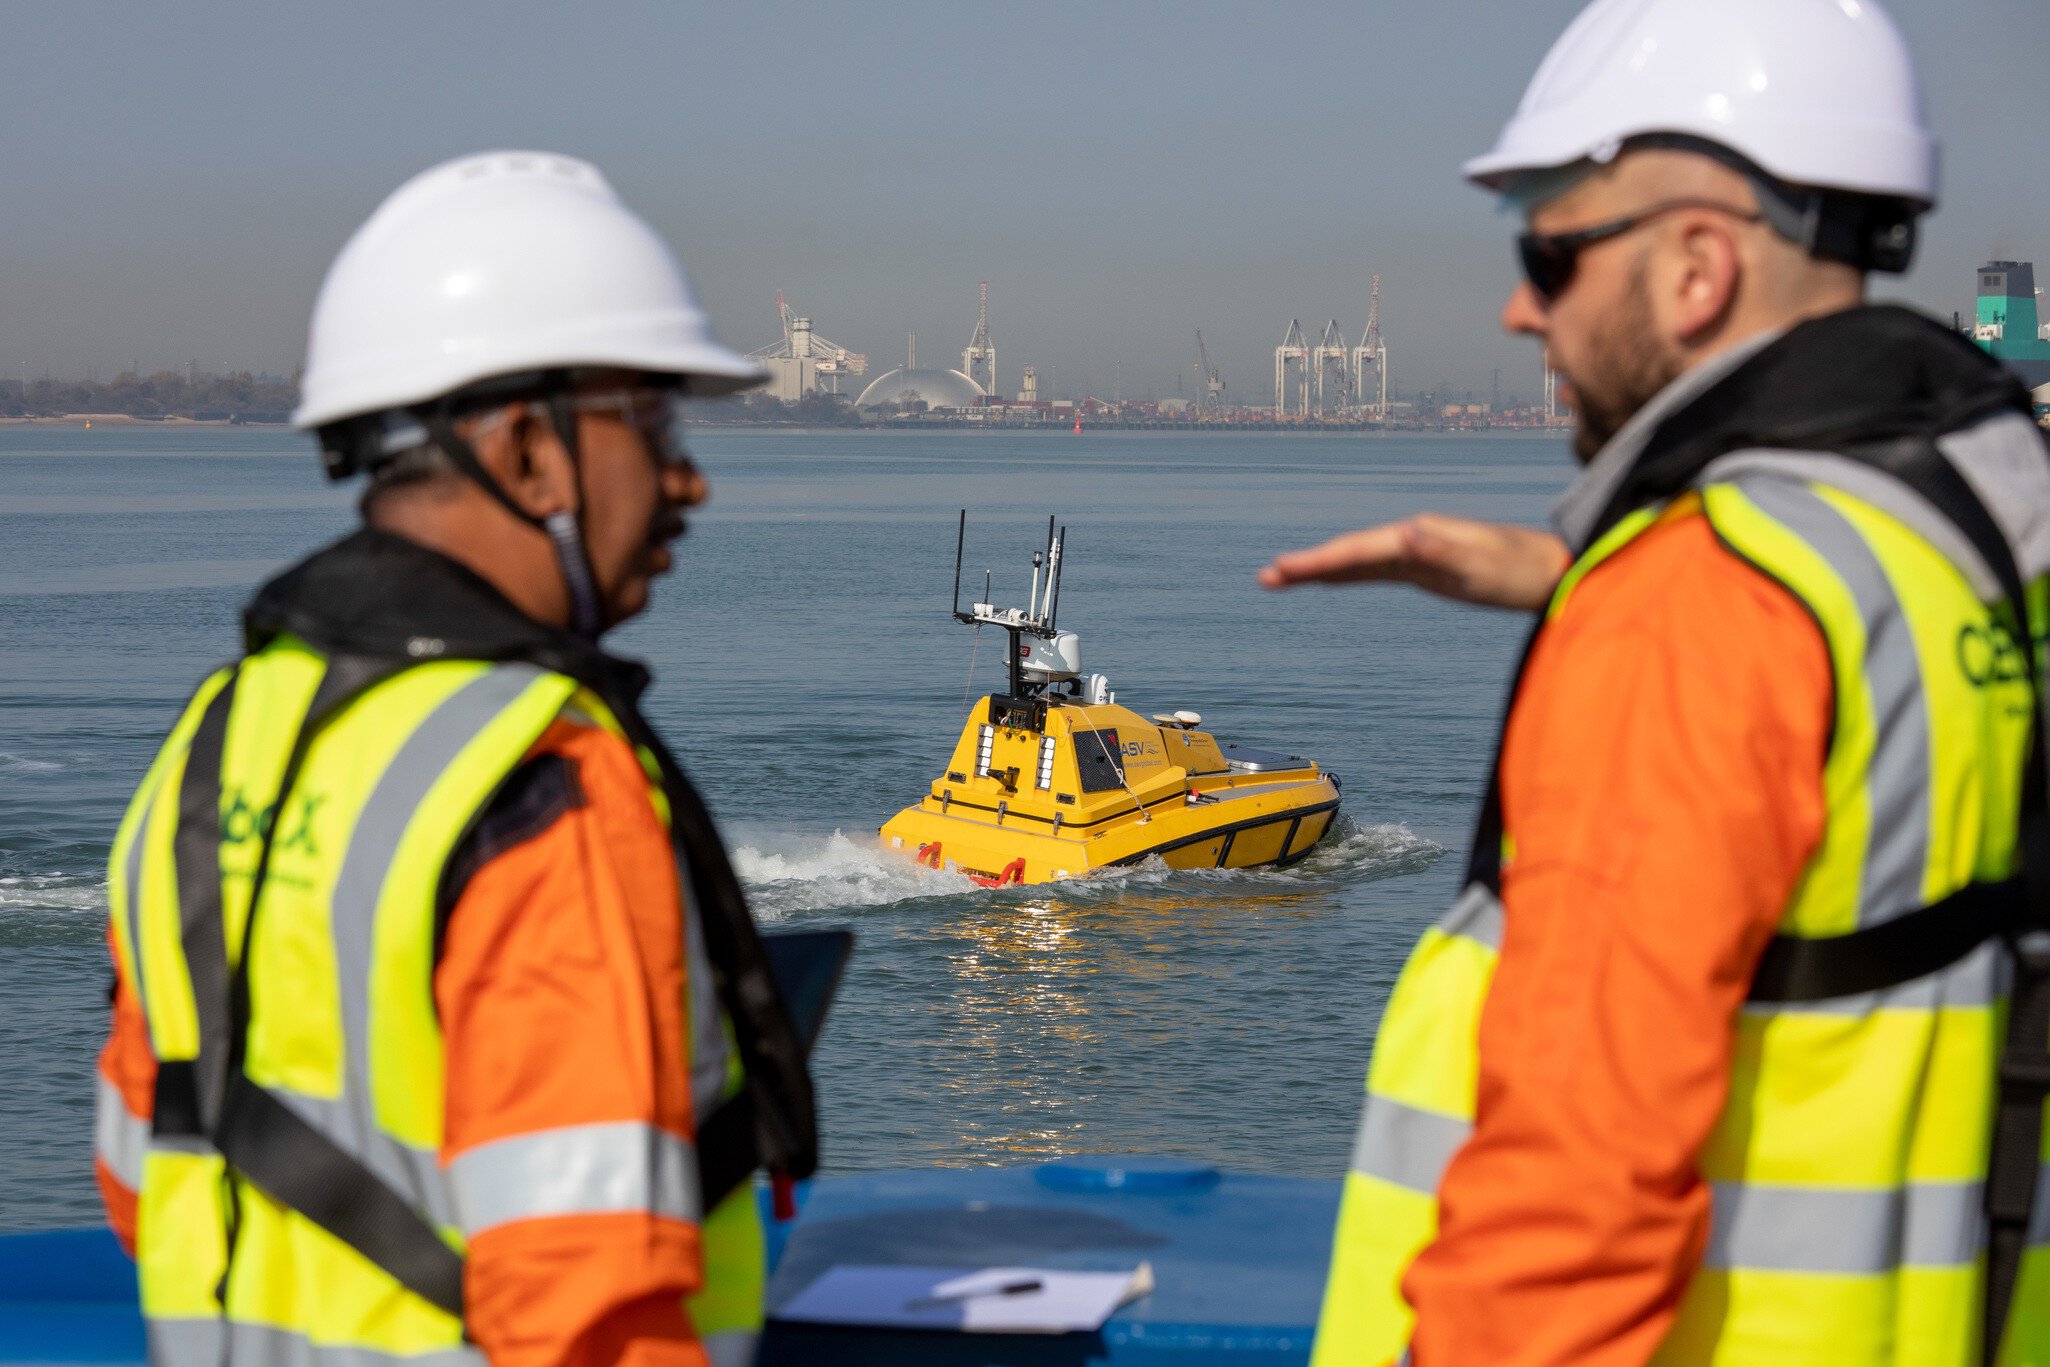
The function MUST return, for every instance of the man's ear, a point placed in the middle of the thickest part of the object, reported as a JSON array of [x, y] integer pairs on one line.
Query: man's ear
[[1711, 263], [520, 449]]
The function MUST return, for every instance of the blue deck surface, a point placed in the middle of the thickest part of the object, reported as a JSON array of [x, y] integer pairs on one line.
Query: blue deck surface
[[1238, 1263]]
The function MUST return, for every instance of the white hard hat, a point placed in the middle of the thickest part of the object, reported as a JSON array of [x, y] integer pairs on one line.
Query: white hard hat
[[499, 264], [1815, 92]]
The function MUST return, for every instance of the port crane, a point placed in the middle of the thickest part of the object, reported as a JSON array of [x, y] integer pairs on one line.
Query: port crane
[[979, 357], [1327, 358], [1213, 383], [1371, 355], [1292, 349]]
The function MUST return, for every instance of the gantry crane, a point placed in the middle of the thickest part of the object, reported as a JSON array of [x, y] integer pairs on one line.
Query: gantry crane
[[1372, 355], [1213, 383], [1292, 348], [979, 357], [1327, 357]]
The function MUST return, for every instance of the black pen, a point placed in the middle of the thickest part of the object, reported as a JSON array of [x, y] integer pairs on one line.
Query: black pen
[[954, 1298]]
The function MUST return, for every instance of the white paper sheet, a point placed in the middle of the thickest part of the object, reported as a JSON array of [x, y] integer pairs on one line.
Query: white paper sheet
[[963, 1299]]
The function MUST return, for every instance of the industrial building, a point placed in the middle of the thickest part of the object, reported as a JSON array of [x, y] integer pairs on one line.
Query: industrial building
[[2009, 323], [908, 385], [804, 362]]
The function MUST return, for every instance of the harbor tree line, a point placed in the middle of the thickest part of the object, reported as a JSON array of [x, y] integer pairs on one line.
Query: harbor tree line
[[242, 396]]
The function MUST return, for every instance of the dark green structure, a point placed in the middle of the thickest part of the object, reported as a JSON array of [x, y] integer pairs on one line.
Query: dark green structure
[[2007, 324]]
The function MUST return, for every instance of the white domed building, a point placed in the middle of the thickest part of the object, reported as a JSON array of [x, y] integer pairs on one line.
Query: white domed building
[[908, 385]]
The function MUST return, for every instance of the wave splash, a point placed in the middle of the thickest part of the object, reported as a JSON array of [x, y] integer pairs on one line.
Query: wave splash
[[60, 892], [801, 873]]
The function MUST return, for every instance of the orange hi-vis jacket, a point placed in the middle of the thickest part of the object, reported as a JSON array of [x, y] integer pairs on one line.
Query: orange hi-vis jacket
[[561, 996], [1663, 771], [547, 1125], [1712, 1060]]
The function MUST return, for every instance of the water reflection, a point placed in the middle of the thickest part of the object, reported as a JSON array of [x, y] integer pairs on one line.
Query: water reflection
[[1041, 1011]]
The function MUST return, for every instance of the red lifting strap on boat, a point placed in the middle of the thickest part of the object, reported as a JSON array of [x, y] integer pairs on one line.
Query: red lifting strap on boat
[[1014, 872], [929, 855]]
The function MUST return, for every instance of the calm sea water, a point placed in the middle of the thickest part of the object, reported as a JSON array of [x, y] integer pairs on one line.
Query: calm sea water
[[808, 674]]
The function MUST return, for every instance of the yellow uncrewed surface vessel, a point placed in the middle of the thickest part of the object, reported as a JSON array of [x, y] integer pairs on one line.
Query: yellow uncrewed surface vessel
[[1055, 779]]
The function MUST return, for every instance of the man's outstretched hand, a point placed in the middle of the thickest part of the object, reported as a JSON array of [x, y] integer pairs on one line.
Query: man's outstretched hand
[[1490, 563]]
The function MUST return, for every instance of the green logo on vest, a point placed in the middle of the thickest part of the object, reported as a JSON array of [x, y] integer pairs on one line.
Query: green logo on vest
[[241, 822], [1989, 655]]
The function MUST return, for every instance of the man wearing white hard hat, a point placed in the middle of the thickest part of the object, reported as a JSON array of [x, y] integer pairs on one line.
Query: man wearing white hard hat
[[441, 1031], [1733, 1048]]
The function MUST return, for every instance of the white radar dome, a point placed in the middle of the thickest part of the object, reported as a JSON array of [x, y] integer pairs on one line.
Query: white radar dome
[[1054, 661]]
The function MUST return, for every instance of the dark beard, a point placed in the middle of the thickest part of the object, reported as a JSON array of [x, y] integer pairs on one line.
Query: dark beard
[[1623, 372]]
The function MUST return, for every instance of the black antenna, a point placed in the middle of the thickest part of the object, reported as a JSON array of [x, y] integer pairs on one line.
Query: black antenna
[[960, 541], [1053, 613], [1049, 543]]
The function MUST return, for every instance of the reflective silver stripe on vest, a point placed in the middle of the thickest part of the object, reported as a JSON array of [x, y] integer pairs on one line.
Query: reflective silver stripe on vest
[[734, 1348], [134, 907], [120, 1136], [1897, 780], [397, 795], [1843, 1231], [2039, 1215], [708, 1046], [1477, 915], [199, 1343], [575, 1170], [1406, 1146]]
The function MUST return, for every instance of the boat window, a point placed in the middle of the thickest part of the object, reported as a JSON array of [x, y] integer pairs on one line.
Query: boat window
[[1100, 757]]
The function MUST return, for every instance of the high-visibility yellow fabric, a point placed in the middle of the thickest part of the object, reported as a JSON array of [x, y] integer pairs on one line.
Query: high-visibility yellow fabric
[[342, 1024], [1846, 1165]]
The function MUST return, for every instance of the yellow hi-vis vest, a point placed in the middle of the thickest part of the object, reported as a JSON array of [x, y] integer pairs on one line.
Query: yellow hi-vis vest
[[1847, 1166], [331, 1240]]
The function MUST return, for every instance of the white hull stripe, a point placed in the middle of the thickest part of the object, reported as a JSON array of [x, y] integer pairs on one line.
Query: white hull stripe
[[1843, 1231], [1406, 1146], [120, 1137], [576, 1170]]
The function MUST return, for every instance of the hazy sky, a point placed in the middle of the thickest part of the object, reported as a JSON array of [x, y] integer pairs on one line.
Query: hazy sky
[[177, 177]]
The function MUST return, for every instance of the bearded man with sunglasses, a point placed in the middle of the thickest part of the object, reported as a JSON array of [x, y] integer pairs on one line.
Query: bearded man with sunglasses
[[1733, 1049], [441, 1032]]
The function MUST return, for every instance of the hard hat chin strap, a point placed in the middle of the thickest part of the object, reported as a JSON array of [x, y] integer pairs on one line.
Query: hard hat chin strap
[[564, 529]]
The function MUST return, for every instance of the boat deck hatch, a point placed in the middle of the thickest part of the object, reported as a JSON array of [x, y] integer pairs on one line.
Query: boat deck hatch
[[1098, 754], [1253, 760]]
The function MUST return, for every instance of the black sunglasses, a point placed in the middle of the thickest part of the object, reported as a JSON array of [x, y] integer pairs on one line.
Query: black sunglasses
[[1549, 259]]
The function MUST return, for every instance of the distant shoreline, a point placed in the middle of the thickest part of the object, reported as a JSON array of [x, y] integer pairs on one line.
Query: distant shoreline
[[130, 420]]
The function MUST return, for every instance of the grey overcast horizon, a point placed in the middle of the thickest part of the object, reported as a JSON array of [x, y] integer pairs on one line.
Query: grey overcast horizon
[[177, 177]]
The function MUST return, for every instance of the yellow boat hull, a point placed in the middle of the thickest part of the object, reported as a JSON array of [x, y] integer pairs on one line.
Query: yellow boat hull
[[1042, 790]]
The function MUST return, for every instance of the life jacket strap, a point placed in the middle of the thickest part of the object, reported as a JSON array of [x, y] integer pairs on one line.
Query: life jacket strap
[[1909, 946]]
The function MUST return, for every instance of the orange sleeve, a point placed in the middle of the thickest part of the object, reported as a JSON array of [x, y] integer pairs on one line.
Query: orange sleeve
[[561, 988], [123, 1107], [1662, 785]]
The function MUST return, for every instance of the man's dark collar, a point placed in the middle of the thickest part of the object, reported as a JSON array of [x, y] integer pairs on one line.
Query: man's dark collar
[[1863, 375], [378, 595]]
